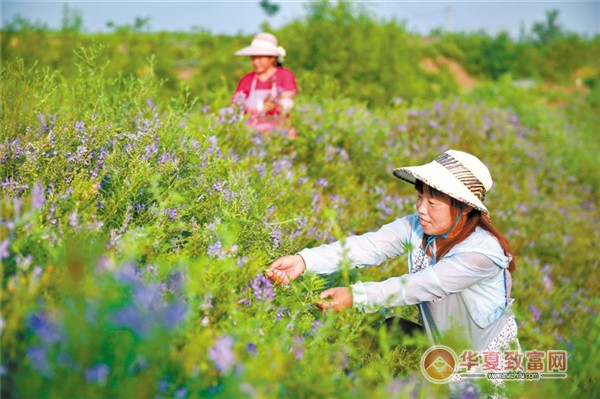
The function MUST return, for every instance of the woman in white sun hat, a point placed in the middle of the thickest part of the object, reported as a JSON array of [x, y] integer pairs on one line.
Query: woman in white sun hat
[[458, 264], [268, 91]]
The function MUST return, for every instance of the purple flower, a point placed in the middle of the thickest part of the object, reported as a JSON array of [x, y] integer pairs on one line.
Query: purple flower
[[39, 359], [37, 273], [513, 119], [73, 219], [172, 213], [251, 348], [181, 393], [129, 274], [97, 373], [151, 149], [46, 330], [167, 158], [175, 313], [221, 353], [81, 153], [535, 312], [208, 302], [239, 99], [228, 115], [383, 206], [399, 386], [321, 182], [316, 326], [4, 249], [276, 237], [241, 261], [229, 195], [146, 296], [175, 282], [79, 127], [262, 288], [281, 165], [523, 208], [67, 194], [218, 186], [163, 385], [470, 392], [42, 122], [214, 141], [216, 250], [261, 168], [281, 311], [37, 196], [547, 277], [130, 317], [298, 347], [257, 140]]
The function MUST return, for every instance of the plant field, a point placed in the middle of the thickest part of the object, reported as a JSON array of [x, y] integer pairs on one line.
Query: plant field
[[136, 226]]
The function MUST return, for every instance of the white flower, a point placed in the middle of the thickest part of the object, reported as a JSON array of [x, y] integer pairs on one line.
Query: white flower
[[280, 54]]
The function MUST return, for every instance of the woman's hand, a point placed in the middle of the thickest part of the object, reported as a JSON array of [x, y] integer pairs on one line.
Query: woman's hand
[[340, 299], [269, 104], [286, 268]]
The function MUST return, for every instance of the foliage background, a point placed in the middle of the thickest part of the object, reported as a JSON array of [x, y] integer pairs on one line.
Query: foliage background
[[138, 212]]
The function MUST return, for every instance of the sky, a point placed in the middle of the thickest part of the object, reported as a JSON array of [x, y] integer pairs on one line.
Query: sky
[[246, 17]]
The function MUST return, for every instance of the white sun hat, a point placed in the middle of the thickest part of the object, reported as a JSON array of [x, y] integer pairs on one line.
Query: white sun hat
[[458, 174], [263, 44]]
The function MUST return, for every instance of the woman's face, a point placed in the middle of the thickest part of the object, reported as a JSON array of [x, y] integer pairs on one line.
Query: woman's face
[[434, 213], [262, 63]]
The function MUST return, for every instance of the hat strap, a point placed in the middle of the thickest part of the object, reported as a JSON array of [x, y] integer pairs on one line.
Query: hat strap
[[432, 238]]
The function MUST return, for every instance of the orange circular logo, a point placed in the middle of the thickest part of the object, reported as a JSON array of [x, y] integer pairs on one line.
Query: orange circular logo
[[438, 364]]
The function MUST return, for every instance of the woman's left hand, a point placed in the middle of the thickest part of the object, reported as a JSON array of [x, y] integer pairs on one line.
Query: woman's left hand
[[340, 298], [269, 104]]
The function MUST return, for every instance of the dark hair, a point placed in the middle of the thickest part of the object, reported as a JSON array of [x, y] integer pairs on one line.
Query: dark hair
[[278, 63], [466, 225]]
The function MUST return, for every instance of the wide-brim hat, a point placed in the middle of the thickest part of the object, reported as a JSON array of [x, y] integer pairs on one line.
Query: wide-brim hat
[[458, 174], [262, 44]]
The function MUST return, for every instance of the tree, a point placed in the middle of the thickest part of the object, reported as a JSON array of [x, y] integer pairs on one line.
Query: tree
[[141, 24], [72, 19], [547, 32], [269, 8]]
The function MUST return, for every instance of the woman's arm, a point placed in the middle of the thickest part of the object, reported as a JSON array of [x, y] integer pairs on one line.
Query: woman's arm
[[368, 249], [450, 275]]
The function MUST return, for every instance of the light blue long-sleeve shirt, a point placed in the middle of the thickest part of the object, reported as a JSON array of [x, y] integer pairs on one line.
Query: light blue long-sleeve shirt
[[469, 287]]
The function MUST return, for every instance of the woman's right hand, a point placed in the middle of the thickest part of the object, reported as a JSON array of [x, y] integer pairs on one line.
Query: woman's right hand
[[286, 268]]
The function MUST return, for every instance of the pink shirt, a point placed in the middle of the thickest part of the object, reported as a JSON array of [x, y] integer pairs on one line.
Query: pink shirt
[[283, 80]]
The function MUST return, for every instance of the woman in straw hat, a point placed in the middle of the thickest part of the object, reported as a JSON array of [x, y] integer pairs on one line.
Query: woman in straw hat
[[458, 264], [267, 92]]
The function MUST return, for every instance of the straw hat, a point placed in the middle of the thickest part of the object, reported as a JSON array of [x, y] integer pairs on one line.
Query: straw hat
[[458, 174], [263, 44]]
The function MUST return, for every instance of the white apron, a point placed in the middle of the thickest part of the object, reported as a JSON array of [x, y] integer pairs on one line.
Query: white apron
[[255, 104]]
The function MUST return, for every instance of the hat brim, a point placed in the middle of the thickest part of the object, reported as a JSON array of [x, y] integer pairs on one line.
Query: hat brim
[[258, 51], [437, 176]]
